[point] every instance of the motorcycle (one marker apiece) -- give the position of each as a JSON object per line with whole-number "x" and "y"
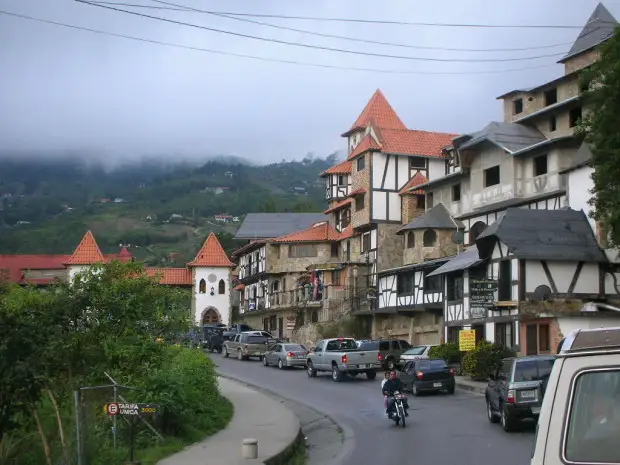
{"x": 399, "y": 409}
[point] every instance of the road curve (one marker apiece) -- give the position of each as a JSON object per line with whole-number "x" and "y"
{"x": 441, "y": 429}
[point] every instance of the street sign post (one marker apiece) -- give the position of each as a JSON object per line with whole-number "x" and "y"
{"x": 467, "y": 340}
{"x": 133, "y": 412}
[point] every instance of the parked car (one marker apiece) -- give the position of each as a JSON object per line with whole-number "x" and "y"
{"x": 286, "y": 356}
{"x": 247, "y": 345}
{"x": 390, "y": 350}
{"x": 580, "y": 415}
{"x": 427, "y": 375}
{"x": 516, "y": 390}
{"x": 341, "y": 357}
{"x": 415, "y": 353}
{"x": 234, "y": 330}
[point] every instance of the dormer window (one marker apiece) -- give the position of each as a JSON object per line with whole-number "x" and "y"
{"x": 517, "y": 106}
{"x": 417, "y": 163}
{"x": 551, "y": 96}
{"x": 341, "y": 180}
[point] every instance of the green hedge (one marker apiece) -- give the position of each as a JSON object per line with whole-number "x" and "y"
{"x": 448, "y": 351}
{"x": 484, "y": 360}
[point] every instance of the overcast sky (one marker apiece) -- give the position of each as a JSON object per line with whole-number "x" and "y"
{"x": 66, "y": 89}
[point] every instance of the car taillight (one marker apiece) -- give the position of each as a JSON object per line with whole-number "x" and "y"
{"x": 451, "y": 371}
{"x": 379, "y": 357}
{"x": 510, "y": 398}
{"x": 345, "y": 359}
{"x": 419, "y": 375}
{"x": 290, "y": 355}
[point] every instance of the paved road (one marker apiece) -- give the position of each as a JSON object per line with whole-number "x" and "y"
{"x": 441, "y": 429}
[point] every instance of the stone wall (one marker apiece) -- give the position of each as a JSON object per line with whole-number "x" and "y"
{"x": 361, "y": 180}
{"x": 581, "y": 61}
{"x": 409, "y": 208}
{"x": 416, "y": 328}
{"x": 445, "y": 247}
{"x": 284, "y": 264}
{"x": 390, "y": 246}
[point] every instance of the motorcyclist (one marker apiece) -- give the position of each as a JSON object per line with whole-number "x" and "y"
{"x": 392, "y": 385}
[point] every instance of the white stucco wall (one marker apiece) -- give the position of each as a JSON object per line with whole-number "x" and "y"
{"x": 75, "y": 269}
{"x": 436, "y": 168}
{"x": 220, "y": 302}
{"x": 580, "y": 184}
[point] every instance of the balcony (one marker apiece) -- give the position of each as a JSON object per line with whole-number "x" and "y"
{"x": 254, "y": 305}
{"x": 250, "y": 270}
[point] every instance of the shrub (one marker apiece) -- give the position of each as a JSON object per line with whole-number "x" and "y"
{"x": 484, "y": 359}
{"x": 448, "y": 351}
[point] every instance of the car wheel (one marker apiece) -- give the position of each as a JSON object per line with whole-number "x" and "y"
{"x": 310, "y": 370}
{"x": 508, "y": 422}
{"x": 281, "y": 365}
{"x": 491, "y": 415}
{"x": 390, "y": 364}
{"x": 450, "y": 390}
{"x": 371, "y": 375}
{"x": 336, "y": 374}
{"x": 414, "y": 389}
{"x": 239, "y": 355}
{"x": 265, "y": 362}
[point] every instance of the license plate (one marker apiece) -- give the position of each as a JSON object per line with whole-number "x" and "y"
{"x": 535, "y": 410}
{"x": 362, "y": 366}
{"x": 437, "y": 384}
{"x": 528, "y": 394}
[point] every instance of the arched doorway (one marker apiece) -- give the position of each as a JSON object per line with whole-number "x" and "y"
{"x": 210, "y": 316}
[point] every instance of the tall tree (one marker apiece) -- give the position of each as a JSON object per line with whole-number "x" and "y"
{"x": 601, "y": 126}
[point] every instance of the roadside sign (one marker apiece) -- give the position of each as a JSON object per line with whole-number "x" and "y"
{"x": 131, "y": 409}
{"x": 111, "y": 409}
{"x": 467, "y": 340}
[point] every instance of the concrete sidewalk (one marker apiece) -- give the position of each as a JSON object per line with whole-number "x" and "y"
{"x": 465, "y": 383}
{"x": 256, "y": 416}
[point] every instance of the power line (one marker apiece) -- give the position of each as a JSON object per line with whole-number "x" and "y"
{"x": 176, "y": 7}
{"x": 272, "y": 60}
{"x": 364, "y": 21}
{"x": 318, "y": 47}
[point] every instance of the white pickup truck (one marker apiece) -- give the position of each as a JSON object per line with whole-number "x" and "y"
{"x": 341, "y": 357}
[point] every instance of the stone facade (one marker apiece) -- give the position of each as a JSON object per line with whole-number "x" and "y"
{"x": 581, "y": 61}
{"x": 410, "y": 208}
{"x": 279, "y": 260}
{"x": 361, "y": 180}
{"x": 444, "y": 247}
{"x": 390, "y": 245}
{"x": 419, "y": 328}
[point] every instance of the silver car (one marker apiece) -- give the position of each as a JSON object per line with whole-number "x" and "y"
{"x": 286, "y": 355}
{"x": 416, "y": 353}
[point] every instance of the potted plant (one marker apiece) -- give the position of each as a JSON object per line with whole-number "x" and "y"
{"x": 371, "y": 293}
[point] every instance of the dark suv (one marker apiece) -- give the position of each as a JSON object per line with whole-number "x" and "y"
{"x": 516, "y": 390}
{"x": 389, "y": 349}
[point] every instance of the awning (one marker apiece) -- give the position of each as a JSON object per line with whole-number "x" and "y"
{"x": 462, "y": 261}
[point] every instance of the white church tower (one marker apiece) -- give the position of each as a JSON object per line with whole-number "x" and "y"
{"x": 212, "y": 278}
{"x": 85, "y": 255}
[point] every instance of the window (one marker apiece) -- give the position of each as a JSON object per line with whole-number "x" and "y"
{"x": 365, "y": 244}
{"x": 574, "y": 116}
{"x": 341, "y": 180}
{"x": 336, "y": 278}
{"x": 404, "y": 345}
{"x": 302, "y": 251}
{"x": 455, "y": 286}
{"x": 453, "y": 334}
{"x": 551, "y": 96}
{"x": 202, "y": 287}
{"x": 384, "y": 346}
{"x": 429, "y": 238}
{"x": 314, "y": 316}
{"x": 594, "y": 417}
{"x": 361, "y": 163}
{"x": 491, "y": 176}
{"x": 433, "y": 284}
{"x": 533, "y": 370}
{"x": 476, "y": 230}
{"x": 504, "y": 285}
{"x": 279, "y": 249}
{"x": 504, "y": 334}
{"x": 335, "y": 249}
{"x": 405, "y": 283}
{"x": 359, "y": 202}
{"x": 505, "y": 371}
{"x": 410, "y": 240}
{"x": 553, "y": 123}
{"x": 417, "y": 163}
{"x": 543, "y": 338}
{"x": 429, "y": 200}
{"x": 421, "y": 201}
{"x": 517, "y": 106}
{"x": 221, "y": 287}
{"x": 456, "y": 193}
{"x": 584, "y": 87}
{"x": 540, "y": 165}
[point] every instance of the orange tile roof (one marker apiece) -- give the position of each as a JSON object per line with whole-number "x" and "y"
{"x": 342, "y": 168}
{"x": 377, "y": 112}
{"x": 87, "y": 252}
{"x": 321, "y": 232}
{"x": 172, "y": 276}
{"x": 418, "y": 179}
{"x": 338, "y": 206}
{"x": 346, "y": 233}
{"x": 413, "y": 142}
{"x": 366, "y": 144}
{"x": 211, "y": 254}
{"x": 357, "y": 192}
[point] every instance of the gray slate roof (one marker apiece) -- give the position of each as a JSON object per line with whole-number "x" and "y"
{"x": 462, "y": 261}
{"x": 509, "y": 136}
{"x": 559, "y": 235}
{"x": 437, "y": 217}
{"x": 598, "y": 29}
{"x": 269, "y": 225}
